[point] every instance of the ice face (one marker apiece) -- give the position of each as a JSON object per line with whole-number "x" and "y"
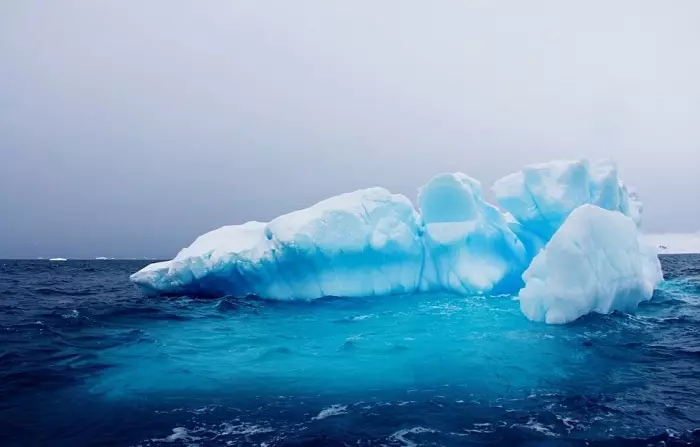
{"x": 540, "y": 197}
{"x": 531, "y": 241}
{"x": 596, "y": 262}
{"x": 374, "y": 243}
{"x": 364, "y": 243}
{"x": 208, "y": 265}
{"x": 469, "y": 248}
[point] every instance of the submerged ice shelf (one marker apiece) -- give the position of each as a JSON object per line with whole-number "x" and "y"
{"x": 374, "y": 243}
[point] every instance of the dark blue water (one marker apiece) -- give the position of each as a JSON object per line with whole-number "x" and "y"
{"x": 85, "y": 360}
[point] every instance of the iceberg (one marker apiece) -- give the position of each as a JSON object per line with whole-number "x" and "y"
{"x": 596, "y": 262}
{"x": 371, "y": 242}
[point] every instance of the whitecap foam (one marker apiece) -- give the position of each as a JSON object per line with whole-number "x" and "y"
{"x": 179, "y": 434}
{"x": 333, "y": 410}
{"x": 532, "y": 424}
{"x": 244, "y": 429}
{"x": 400, "y": 435}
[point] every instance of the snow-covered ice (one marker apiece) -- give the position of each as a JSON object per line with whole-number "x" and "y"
{"x": 362, "y": 243}
{"x": 540, "y": 197}
{"x": 374, "y": 243}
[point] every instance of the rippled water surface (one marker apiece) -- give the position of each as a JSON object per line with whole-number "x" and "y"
{"x": 85, "y": 360}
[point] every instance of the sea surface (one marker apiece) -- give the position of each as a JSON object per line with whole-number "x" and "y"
{"x": 86, "y": 360}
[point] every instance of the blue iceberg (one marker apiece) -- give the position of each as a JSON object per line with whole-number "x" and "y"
{"x": 374, "y": 243}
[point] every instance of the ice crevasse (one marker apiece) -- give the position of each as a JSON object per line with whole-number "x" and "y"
{"x": 374, "y": 243}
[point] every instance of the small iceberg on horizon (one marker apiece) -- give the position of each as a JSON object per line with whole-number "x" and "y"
{"x": 57, "y": 259}
{"x": 675, "y": 243}
{"x": 371, "y": 242}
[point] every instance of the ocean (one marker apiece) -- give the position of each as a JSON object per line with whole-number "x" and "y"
{"x": 85, "y": 360}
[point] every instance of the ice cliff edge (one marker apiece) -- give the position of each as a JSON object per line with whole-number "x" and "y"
{"x": 372, "y": 242}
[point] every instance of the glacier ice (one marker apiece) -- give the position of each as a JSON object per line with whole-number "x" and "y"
{"x": 365, "y": 243}
{"x": 531, "y": 241}
{"x": 541, "y": 196}
{"x": 596, "y": 262}
{"x": 362, "y": 243}
{"x": 373, "y": 243}
{"x": 469, "y": 247}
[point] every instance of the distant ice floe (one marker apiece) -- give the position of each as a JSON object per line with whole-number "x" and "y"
{"x": 58, "y": 259}
{"x": 675, "y": 243}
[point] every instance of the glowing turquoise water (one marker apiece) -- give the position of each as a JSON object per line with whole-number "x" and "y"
{"x": 483, "y": 344}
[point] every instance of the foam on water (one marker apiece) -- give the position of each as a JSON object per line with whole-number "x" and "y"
{"x": 333, "y": 410}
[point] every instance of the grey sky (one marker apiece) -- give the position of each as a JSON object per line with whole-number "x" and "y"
{"x": 129, "y": 128}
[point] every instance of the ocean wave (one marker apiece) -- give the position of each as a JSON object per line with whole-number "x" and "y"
{"x": 413, "y": 370}
{"x": 60, "y": 292}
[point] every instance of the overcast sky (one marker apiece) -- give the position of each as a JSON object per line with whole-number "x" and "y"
{"x": 129, "y": 128}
